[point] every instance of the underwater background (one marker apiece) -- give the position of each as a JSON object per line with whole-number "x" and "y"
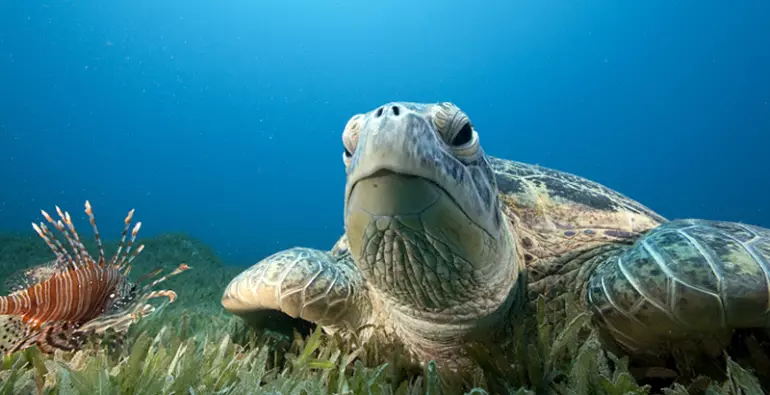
{"x": 222, "y": 119}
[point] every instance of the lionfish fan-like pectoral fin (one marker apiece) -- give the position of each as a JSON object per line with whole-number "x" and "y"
{"x": 15, "y": 334}
{"x": 305, "y": 283}
{"x": 63, "y": 336}
{"x": 111, "y": 340}
{"x": 144, "y": 277}
{"x": 182, "y": 267}
{"x": 138, "y": 297}
{"x": 170, "y": 295}
{"x": 118, "y": 322}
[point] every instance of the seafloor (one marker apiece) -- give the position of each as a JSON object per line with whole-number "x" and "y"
{"x": 194, "y": 347}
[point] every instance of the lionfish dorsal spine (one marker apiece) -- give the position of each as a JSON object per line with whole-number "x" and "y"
{"x": 54, "y": 244}
{"x": 133, "y": 256}
{"x": 80, "y": 259}
{"x": 97, "y": 236}
{"x": 127, "y": 221}
{"x": 85, "y": 256}
{"x": 124, "y": 259}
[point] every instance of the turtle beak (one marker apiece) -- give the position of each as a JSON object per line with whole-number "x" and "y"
{"x": 388, "y": 193}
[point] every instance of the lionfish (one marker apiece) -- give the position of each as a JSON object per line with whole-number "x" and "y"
{"x": 60, "y": 304}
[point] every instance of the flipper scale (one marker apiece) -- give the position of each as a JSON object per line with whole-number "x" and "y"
{"x": 687, "y": 279}
{"x": 305, "y": 283}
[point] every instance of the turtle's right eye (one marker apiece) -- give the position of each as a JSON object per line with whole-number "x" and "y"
{"x": 464, "y": 136}
{"x": 350, "y": 137}
{"x": 347, "y": 156}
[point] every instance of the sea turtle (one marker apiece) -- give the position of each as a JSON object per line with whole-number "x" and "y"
{"x": 441, "y": 239}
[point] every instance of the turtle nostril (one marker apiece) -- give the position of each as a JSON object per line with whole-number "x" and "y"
{"x": 396, "y": 110}
{"x": 378, "y": 113}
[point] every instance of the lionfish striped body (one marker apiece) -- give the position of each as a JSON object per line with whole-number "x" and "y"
{"x": 76, "y": 295}
{"x": 64, "y": 296}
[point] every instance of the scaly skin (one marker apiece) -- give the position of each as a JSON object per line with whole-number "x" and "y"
{"x": 687, "y": 284}
{"x": 424, "y": 226}
{"x": 439, "y": 237}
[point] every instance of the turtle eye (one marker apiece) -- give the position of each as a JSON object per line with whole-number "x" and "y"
{"x": 464, "y": 136}
{"x": 350, "y": 137}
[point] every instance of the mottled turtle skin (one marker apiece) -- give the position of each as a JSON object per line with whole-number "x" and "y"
{"x": 442, "y": 242}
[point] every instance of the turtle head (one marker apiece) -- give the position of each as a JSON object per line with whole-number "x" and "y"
{"x": 423, "y": 219}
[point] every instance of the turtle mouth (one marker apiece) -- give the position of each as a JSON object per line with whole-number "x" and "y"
{"x": 415, "y": 245}
{"x": 387, "y": 193}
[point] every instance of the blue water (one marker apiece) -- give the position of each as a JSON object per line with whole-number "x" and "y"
{"x": 222, "y": 119}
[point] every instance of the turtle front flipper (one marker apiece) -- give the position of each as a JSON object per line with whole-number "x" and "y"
{"x": 688, "y": 282}
{"x": 305, "y": 283}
